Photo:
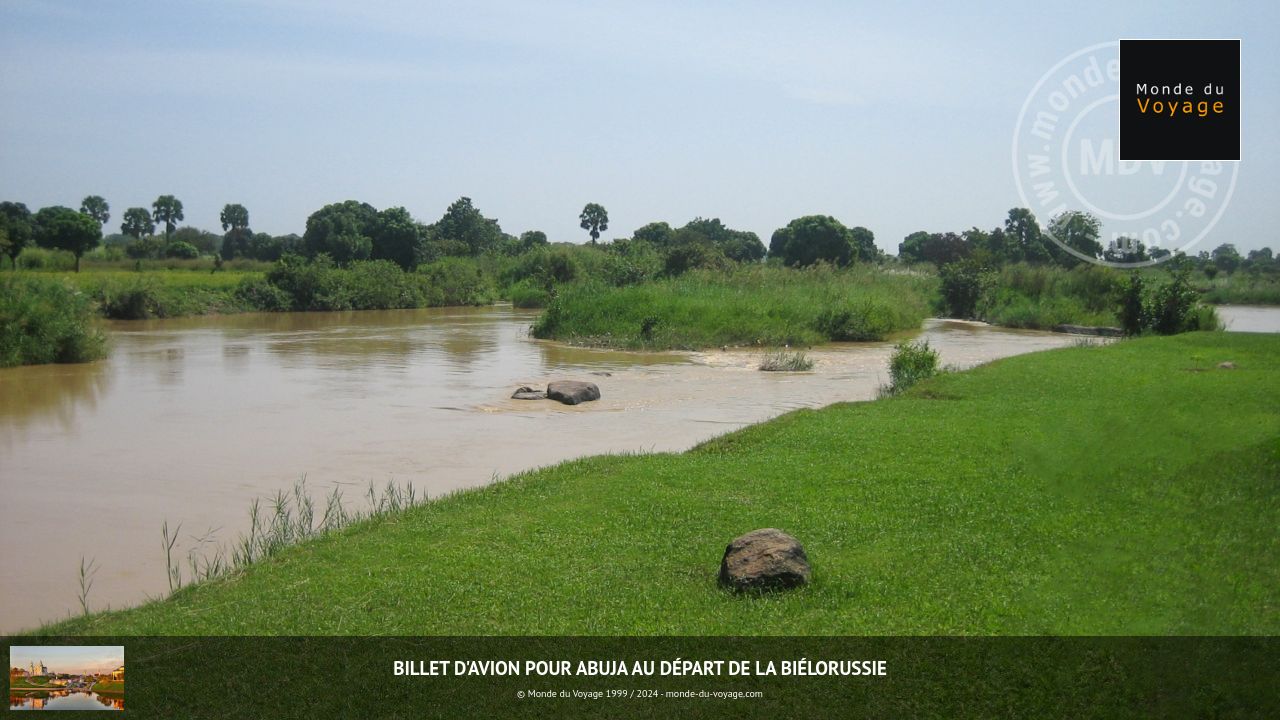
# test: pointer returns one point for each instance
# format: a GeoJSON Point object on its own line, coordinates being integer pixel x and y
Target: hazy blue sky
{"type": "Point", "coordinates": [894, 116]}
{"type": "Point", "coordinates": [74, 659]}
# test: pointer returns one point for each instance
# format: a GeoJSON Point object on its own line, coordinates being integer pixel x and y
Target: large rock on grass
{"type": "Point", "coordinates": [572, 392]}
{"type": "Point", "coordinates": [766, 559]}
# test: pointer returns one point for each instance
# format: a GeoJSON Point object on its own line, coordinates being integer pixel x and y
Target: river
{"type": "Point", "coordinates": [190, 419]}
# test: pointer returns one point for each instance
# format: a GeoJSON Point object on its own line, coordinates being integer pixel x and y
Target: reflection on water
{"type": "Point", "coordinates": [48, 394]}
{"type": "Point", "coordinates": [64, 700]}
{"type": "Point", "coordinates": [189, 419]}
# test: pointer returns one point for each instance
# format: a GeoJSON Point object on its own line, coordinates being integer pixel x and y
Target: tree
{"type": "Point", "coordinates": [809, 239]}
{"type": "Point", "coordinates": [137, 223]}
{"type": "Point", "coordinates": [464, 223]}
{"type": "Point", "coordinates": [1227, 258]}
{"type": "Point", "coordinates": [594, 219]}
{"type": "Point", "coordinates": [16, 231]}
{"type": "Point", "coordinates": [341, 231]}
{"type": "Point", "coordinates": [235, 223]}
{"type": "Point", "coordinates": [97, 208]}
{"type": "Point", "coordinates": [167, 209]}
{"type": "Point", "coordinates": [937, 248]}
{"type": "Point", "coordinates": [1125, 249]}
{"type": "Point", "coordinates": [1023, 240]}
{"type": "Point", "coordinates": [530, 239]}
{"type": "Point", "coordinates": [65, 229]}
{"type": "Point", "coordinates": [864, 244]}
{"type": "Point", "coordinates": [1078, 231]}
{"type": "Point", "coordinates": [738, 245]}
{"type": "Point", "coordinates": [657, 234]}
{"type": "Point", "coordinates": [396, 237]}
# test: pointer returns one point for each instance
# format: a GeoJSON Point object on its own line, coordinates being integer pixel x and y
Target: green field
{"type": "Point", "coordinates": [759, 306]}
{"type": "Point", "coordinates": [39, 682]}
{"type": "Point", "coordinates": [1126, 489]}
{"type": "Point", "coordinates": [109, 686]}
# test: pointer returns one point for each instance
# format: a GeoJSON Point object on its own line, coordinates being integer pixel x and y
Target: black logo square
{"type": "Point", "coordinates": [1179, 99]}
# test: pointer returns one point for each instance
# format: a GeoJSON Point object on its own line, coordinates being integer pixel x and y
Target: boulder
{"type": "Point", "coordinates": [528, 393]}
{"type": "Point", "coordinates": [572, 392]}
{"type": "Point", "coordinates": [1228, 365]}
{"type": "Point", "coordinates": [766, 559]}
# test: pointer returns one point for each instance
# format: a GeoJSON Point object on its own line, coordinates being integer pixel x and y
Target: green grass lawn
{"type": "Point", "coordinates": [1127, 489]}
{"type": "Point", "coordinates": [108, 686]}
{"type": "Point", "coordinates": [39, 682]}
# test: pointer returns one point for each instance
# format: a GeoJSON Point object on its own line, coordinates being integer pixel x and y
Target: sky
{"type": "Point", "coordinates": [895, 116]}
{"type": "Point", "coordinates": [73, 659]}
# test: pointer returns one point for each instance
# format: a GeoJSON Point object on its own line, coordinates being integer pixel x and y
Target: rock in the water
{"type": "Point", "coordinates": [572, 392]}
{"type": "Point", "coordinates": [528, 393]}
{"type": "Point", "coordinates": [1089, 330]}
{"type": "Point", "coordinates": [766, 559]}
{"type": "Point", "coordinates": [1228, 365]}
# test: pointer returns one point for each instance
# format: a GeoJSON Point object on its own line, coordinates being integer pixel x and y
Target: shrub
{"type": "Point", "coordinates": [135, 298]}
{"type": "Point", "coordinates": [256, 293]}
{"type": "Point", "coordinates": [963, 284]}
{"type": "Point", "coordinates": [38, 258]}
{"type": "Point", "coordinates": [911, 363]}
{"type": "Point", "coordinates": [529, 294]}
{"type": "Point", "coordinates": [46, 321]}
{"type": "Point", "coordinates": [1173, 305]}
{"type": "Point", "coordinates": [381, 284]}
{"type": "Point", "coordinates": [180, 249]}
{"type": "Point", "coordinates": [456, 281]}
{"type": "Point", "coordinates": [310, 284]}
{"type": "Point", "coordinates": [1133, 316]}
{"type": "Point", "coordinates": [866, 320]}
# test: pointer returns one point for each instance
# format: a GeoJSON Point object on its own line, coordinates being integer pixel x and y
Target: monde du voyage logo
{"type": "Point", "coordinates": [1180, 100]}
{"type": "Point", "coordinates": [1139, 135]}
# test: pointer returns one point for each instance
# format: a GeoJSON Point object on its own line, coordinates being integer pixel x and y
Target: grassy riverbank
{"type": "Point", "coordinates": [1126, 489]}
{"type": "Point", "coordinates": [760, 305]}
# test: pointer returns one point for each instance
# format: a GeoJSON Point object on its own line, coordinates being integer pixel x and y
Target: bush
{"type": "Point", "coordinates": [1133, 316]}
{"type": "Point", "coordinates": [911, 363]}
{"type": "Point", "coordinates": [310, 284]}
{"type": "Point", "coordinates": [38, 258]}
{"type": "Point", "coordinates": [46, 321]}
{"type": "Point", "coordinates": [179, 249]}
{"type": "Point", "coordinates": [456, 281]}
{"type": "Point", "coordinates": [529, 294]}
{"type": "Point", "coordinates": [257, 293]}
{"type": "Point", "coordinates": [1174, 306]}
{"type": "Point", "coordinates": [381, 284]}
{"type": "Point", "coordinates": [963, 284]}
{"type": "Point", "coordinates": [867, 320]}
{"type": "Point", "coordinates": [135, 298]}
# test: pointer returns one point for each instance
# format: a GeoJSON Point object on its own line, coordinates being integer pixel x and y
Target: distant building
{"type": "Point", "coordinates": [118, 674]}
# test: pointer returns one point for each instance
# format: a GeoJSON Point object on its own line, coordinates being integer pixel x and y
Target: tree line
{"type": "Point", "coordinates": [352, 230]}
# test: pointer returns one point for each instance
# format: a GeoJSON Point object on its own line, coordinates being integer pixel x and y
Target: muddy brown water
{"type": "Point", "coordinates": [190, 419]}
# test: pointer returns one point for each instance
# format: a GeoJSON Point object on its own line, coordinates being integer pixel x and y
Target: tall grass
{"type": "Point", "coordinates": [44, 320]}
{"type": "Point", "coordinates": [750, 305]}
{"type": "Point", "coordinates": [786, 361]}
{"type": "Point", "coordinates": [1243, 289]}
{"type": "Point", "coordinates": [1043, 296]}
{"type": "Point", "coordinates": [281, 521]}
